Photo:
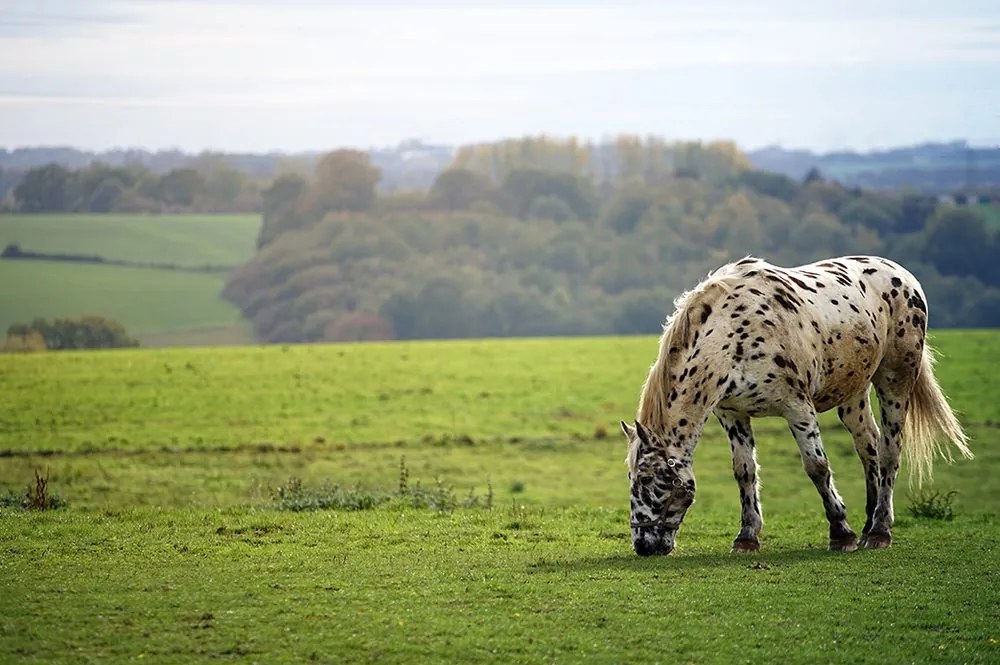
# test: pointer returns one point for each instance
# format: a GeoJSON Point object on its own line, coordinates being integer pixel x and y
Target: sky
{"type": "Point", "coordinates": [263, 75]}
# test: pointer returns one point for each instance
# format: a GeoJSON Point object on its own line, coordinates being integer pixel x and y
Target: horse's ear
{"type": "Point", "coordinates": [641, 432]}
{"type": "Point", "coordinates": [628, 430]}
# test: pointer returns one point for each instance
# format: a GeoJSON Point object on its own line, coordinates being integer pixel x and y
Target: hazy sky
{"type": "Point", "coordinates": [299, 74]}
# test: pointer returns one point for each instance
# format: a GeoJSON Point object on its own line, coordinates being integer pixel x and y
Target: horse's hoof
{"type": "Point", "coordinates": [876, 541]}
{"type": "Point", "coordinates": [745, 545]}
{"type": "Point", "coordinates": [848, 544]}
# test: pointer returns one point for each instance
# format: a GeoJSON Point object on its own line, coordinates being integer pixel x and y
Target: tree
{"type": "Point", "coordinates": [523, 186]}
{"type": "Point", "coordinates": [958, 243]}
{"type": "Point", "coordinates": [550, 207]}
{"type": "Point", "coordinates": [105, 197]}
{"type": "Point", "coordinates": [223, 186]}
{"type": "Point", "coordinates": [85, 332]}
{"type": "Point", "coordinates": [438, 310]}
{"type": "Point", "coordinates": [770, 184]}
{"type": "Point", "coordinates": [458, 189]}
{"type": "Point", "coordinates": [345, 180]}
{"type": "Point", "coordinates": [181, 187]}
{"type": "Point", "coordinates": [813, 175]}
{"type": "Point", "coordinates": [914, 212]}
{"type": "Point", "coordinates": [865, 213]}
{"type": "Point", "coordinates": [50, 188]}
{"type": "Point", "coordinates": [627, 208]}
{"type": "Point", "coordinates": [280, 207]}
{"type": "Point", "coordinates": [356, 327]}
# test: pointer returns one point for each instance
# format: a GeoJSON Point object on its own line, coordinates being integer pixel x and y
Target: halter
{"type": "Point", "coordinates": [662, 517]}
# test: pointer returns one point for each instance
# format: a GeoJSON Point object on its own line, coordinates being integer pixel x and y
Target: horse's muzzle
{"type": "Point", "coordinates": [647, 544]}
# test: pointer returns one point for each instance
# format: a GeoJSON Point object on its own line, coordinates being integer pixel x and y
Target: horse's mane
{"type": "Point", "coordinates": [678, 332]}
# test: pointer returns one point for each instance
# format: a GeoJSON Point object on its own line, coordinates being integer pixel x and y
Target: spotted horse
{"type": "Point", "coordinates": [754, 339]}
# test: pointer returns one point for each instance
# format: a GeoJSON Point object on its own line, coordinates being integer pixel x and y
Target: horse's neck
{"type": "Point", "coordinates": [696, 389]}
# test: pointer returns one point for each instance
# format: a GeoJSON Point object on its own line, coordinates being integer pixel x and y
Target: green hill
{"type": "Point", "coordinates": [183, 240]}
{"type": "Point", "coordinates": [160, 306]}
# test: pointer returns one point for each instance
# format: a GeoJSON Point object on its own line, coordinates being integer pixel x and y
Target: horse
{"type": "Point", "coordinates": [755, 339]}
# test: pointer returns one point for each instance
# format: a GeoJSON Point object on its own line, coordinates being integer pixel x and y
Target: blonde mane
{"type": "Point", "coordinates": [677, 336]}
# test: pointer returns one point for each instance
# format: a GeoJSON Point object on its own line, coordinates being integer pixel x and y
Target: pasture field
{"type": "Point", "coordinates": [159, 306]}
{"type": "Point", "coordinates": [182, 240]}
{"type": "Point", "coordinates": [990, 212]}
{"type": "Point", "coordinates": [144, 300]}
{"type": "Point", "coordinates": [172, 548]}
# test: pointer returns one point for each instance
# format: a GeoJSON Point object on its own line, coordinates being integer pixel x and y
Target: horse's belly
{"type": "Point", "coordinates": [846, 374]}
{"type": "Point", "coordinates": [835, 394]}
{"type": "Point", "coordinates": [753, 404]}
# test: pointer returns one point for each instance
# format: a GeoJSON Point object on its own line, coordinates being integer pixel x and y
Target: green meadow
{"type": "Point", "coordinates": [182, 240]}
{"type": "Point", "coordinates": [161, 306]}
{"type": "Point", "coordinates": [177, 545]}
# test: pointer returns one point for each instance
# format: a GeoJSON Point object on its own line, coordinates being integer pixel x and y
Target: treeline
{"type": "Point", "coordinates": [932, 168]}
{"type": "Point", "coordinates": [133, 188]}
{"type": "Point", "coordinates": [410, 165]}
{"type": "Point", "coordinates": [546, 237]}
{"type": "Point", "coordinates": [85, 332]}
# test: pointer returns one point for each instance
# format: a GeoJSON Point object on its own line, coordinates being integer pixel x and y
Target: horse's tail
{"type": "Point", "coordinates": [928, 421]}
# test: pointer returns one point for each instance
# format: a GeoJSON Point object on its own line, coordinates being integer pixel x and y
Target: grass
{"type": "Point", "coordinates": [174, 547]}
{"type": "Point", "coordinates": [160, 307]}
{"type": "Point", "coordinates": [183, 240]}
{"type": "Point", "coordinates": [990, 212]}
{"type": "Point", "coordinates": [145, 301]}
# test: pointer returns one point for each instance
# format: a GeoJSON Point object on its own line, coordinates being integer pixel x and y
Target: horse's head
{"type": "Point", "coordinates": [662, 490]}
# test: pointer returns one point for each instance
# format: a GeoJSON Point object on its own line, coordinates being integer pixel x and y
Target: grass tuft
{"type": "Point", "coordinates": [294, 496]}
{"type": "Point", "coordinates": [933, 505]}
{"type": "Point", "coordinates": [36, 496]}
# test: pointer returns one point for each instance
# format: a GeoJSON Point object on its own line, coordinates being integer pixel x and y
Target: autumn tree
{"type": "Point", "coordinates": [344, 180]}
{"type": "Point", "coordinates": [459, 188]}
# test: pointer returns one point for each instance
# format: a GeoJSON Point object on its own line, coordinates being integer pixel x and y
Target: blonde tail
{"type": "Point", "coordinates": [928, 421]}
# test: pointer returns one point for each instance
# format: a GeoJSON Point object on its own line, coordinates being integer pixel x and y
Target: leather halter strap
{"type": "Point", "coordinates": [662, 517]}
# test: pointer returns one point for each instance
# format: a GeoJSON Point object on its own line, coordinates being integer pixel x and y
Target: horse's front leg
{"type": "Point", "coordinates": [805, 429]}
{"type": "Point", "coordinates": [737, 426]}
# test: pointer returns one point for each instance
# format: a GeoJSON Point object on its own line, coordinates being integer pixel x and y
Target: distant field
{"type": "Point", "coordinates": [144, 300]}
{"type": "Point", "coordinates": [991, 213]}
{"type": "Point", "coordinates": [173, 550]}
{"type": "Point", "coordinates": [162, 307]}
{"type": "Point", "coordinates": [184, 240]}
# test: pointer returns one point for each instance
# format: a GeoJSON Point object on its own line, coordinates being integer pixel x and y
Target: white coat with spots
{"type": "Point", "coordinates": [755, 339]}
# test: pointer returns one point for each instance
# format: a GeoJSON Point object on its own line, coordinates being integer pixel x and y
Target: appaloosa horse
{"type": "Point", "coordinates": [755, 339]}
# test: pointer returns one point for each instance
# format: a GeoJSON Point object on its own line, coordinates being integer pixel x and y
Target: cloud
{"type": "Point", "coordinates": [387, 69]}
{"type": "Point", "coordinates": [27, 18]}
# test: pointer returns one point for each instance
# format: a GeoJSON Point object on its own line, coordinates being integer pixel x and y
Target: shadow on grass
{"type": "Point", "coordinates": [681, 562]}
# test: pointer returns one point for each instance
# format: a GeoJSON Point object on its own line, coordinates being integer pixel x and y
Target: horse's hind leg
{"type": "Point", "coordinates": [741, 443]}
{"type": "Point", "coordinates": [893, 387]}
{"type": "Point", "coordinates": [805, 429]}
{"type": "Point", "coordinates": [856, 414]}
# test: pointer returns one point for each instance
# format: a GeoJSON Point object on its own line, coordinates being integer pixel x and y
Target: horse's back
{"type": "Point", "coordinates": [822, 330]}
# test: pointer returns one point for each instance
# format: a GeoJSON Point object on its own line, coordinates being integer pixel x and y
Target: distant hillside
{"type": "Point", "coordinates": [410, 165]}
{"type": "Point", "coordinates": [932, 168]}
{"type": "Point", "coordinates": [161, 297]}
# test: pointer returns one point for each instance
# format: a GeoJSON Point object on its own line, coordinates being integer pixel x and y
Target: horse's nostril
{"type": "Point", "coordinates": [645, 547]}
{"type": "Point", "coordinates": [642, 548]}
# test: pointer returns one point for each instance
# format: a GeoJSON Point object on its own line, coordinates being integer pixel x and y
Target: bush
{"type": "Point", "coordinates": [86, 332]}
{"type": "Point", "coordinates": [36, 496]}
{"type": "Point", "coordinates": [26, 342]}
